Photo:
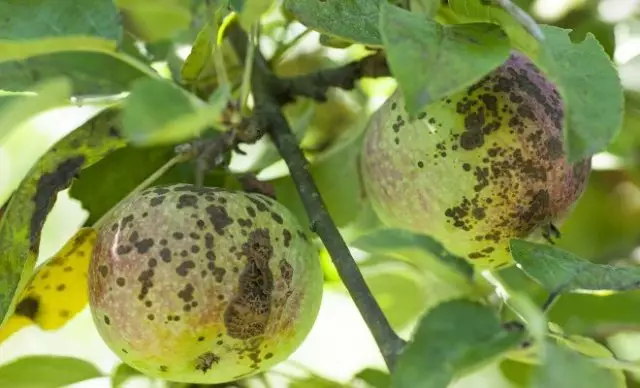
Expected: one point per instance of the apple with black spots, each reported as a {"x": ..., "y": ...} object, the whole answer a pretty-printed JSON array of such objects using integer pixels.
[
  {"x": 477, "y": 168},
  {"x": 203, "y": 285}
]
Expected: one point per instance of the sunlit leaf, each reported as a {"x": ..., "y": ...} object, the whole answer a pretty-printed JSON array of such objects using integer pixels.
[
  {"x": 159, "y": 112},
  {"x": 560, "y": 271},
  {"x": 122, "y": 373},
  {"x": 57, "y": 291},
  {"x": 21, "y": 225},
  {"x": 46, "y": 372},
  {"x": 48, "y": 95}
]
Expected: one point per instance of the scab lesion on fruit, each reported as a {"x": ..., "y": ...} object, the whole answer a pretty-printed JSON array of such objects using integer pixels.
[{"x": 205, "y": 361}]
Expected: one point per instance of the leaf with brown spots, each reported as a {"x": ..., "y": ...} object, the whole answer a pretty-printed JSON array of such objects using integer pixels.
[
  {"x": 24, "y": 217},
  {"x": 58, "y": 289}
]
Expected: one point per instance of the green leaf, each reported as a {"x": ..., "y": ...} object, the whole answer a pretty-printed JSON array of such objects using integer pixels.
[
  {"x": 46, "y": 372},
  {"x": 452, "y": 340},
  {"x": 159, "y": 112},
  {"x": 252, "y": 10},
  {"x": 48, "y": 95},
  {"x": 402, "y": 243},
  {"x": 200, "y": 54},
  {"x": 22, "y": 222},
  {"x": 374, "y": 378},
  {"x": 41, "y": 26},
  {"x": 560, "y": 271},
  {"x": 468, "y": 11},
  {"x": 565, "y": 368},
  {"x": 139, "y": 163},
  {"x": 353, "y": 20},
  {"x": 418, "y": 51},
  {"x": 155, "y": 20},
  {"x": 315, "y": 382},
  {"x": 85, "y": 70},
  {"x": 390, "y": 281},
  {"x": 590, "y": 88},
  {"x": 122, "y": 373}
]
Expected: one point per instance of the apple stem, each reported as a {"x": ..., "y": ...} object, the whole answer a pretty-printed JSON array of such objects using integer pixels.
[{"x": 270, "y": 93}]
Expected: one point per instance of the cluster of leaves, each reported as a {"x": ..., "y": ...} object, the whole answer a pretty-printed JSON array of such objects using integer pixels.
[{"x": 124, "y": 57}]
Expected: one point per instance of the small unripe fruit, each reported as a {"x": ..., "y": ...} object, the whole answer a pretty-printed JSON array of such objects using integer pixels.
[
  {"x": 478, "y": 168},
  {"x": 203, "y": 285}
]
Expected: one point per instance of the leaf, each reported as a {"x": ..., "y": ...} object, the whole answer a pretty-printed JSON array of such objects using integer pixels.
[
  {"x": 41, "y": 27},
  {"x": 315, "y": 382},
  {"x": 353, "y": 20},
  {"x": 200, "y": 54},
  {"x": 467, "y": 11},
  {"x": 139, "y": 163},
  {"x": 425, "y": 7},
  {"x": 252, "y": 10},
  {"x": 419, "y": 50},
  {"x": 159, "y": 112},
  {"x": 58, "y": 289},
  {"x": 46, "y": 372},
  {"x": 390, "y": 281},
  {"x": 590, "y": 88},
  {"x": 565, "y": 368},
  {"x": 560, "y": 271},
  {"x": 48, "y": 94},
  {"x": 122, "y": 373},
  {"x": 402, "y": 243},
  {"x": 85, "y": 70},
  {"x": 452, "y": 339},
  {"x": 22, "y": 223},
  {"x": 155, "y": 20},
  {"x": 374, "y": 378}
]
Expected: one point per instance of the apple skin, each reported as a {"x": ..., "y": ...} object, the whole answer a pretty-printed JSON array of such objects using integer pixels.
[
  {"x": 478, "y": 168},
  {"x": 203, "y": 285}
]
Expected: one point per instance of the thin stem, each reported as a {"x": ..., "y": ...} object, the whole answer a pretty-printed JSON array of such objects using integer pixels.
[
  {"x": 218, "y": 60},
  {"x": 248, "y": 67},
  {"x": 282, "y": 50},
  {"x": 268, "y": 112},
  {"x": 146, "y": 183},
  {"x": 523, "y": 18}
]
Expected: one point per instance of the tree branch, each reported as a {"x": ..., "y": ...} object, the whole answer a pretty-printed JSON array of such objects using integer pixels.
[{"x": 269, "y": 92}]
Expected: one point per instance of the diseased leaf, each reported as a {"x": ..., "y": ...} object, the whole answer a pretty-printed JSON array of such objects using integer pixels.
[
  {"x": 40, "y": 27},
  {"x": 452, "y": 339},
  {"x": 590, "y": 88},
  {"x": 431, "y": 61},
  {"x": 154, "y": 20},
  {"x": 565, "y": 368},
  {"x": 22, "y": 223},
  {"x": 402, "y": 243},
  {"x": 159, "y": 112},
  {"x": 48, "y": 95},
  {"x": 46, "y": 372},
  {"x": 57, "y": 291},
  {"x": 353, "y": 20},
  {"x": 85, "y": 70},
  {"x": 560, "y": 271}
]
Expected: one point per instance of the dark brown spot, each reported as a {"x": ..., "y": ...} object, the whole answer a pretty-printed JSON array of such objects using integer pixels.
[
  {"x": 156, "y": 201},
  {"x": 219, "y": 218},
  {"x": 186, "y": 294},
  {"x": 187, "y": 200},
  {"x": 143, "y": 246},
  {"x": 184, "y": 267},
  {"x": 104, "y": 271},
  {"x": 28, "y": 307},
  {"x": 205, "y": 361},
  {"x": 286, "y": 235},
  {"x": 165, "y": 254},
  {"x": 120, "y": 281}
]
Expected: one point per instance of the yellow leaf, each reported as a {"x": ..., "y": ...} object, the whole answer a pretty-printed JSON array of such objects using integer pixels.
[{"x": 58, "y": 289}]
